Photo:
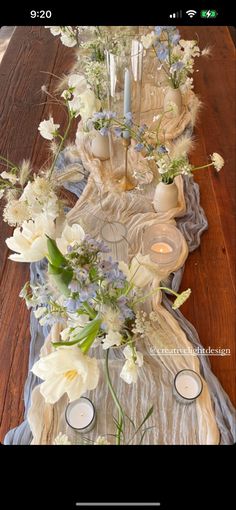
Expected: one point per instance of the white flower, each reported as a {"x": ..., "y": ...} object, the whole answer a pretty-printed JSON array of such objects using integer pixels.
[
  {"x": 112, "y": 338},
  {"x": 29, "y": 241},
  {"x": 70, "y": 236},
  {"x": 77, "y": 82},
  {"x": 66, "y": 370},
  {"x": 40, "y": 198},
  {"x": 2, "y": 191},
  {"x": 89, "y": 104},
  {"x": 16, "y": 212},
  {"x": 148, "y": 40},
  {"x": 134, "y": 360},
  {"x": 68, "y": 39},
  {"x": 156, "y": 118},
  {"x": 9, "y": 176},
  {"x": 141, "y": 270},
  {"x": 66, "y": 94},
  {"x": 41, "y": 310},
  {"x": 172, "y": 107},
  {"x": 47, "y": 128},
  {"x": 41, "y": 187},
  {"x": 217, "y": 161},
  {"x": 111, "y": 318},
  {"x": 54, "y": 30},
  {"x": 61, "y": 439},
  {"x": 75, "y": 105},
  {"x": 101, "y": 440},
  {"x": 181, "y": 299}
]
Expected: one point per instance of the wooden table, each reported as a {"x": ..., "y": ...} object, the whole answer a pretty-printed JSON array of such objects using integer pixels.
[{"x": 33, "y": 58}]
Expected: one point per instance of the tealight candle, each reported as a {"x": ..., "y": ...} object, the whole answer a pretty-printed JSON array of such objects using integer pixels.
[
  {"x": 161, "y": 248},
  {"x": 187, "y": 386},
  {"x": 81, "y": 415}
]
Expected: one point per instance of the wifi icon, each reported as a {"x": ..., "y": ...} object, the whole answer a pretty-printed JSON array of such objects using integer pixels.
[{"x": 191, "y": 13}]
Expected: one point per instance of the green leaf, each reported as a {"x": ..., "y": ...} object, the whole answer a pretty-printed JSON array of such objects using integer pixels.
[
  {"x": 61, "y": 277},
  {"x": 54, "y": 255},
  {"x": 149, "y": 413},
  {"x": 91, "y": 328},
  {"x": 144, "y": 432}
]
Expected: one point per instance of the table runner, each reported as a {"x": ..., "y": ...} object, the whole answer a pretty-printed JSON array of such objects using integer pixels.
[{"x": 192, "y": 224}]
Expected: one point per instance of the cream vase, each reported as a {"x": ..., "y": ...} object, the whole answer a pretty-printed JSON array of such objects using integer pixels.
[
  {"x": 173, "y": 96},
  {"x": 100, "y": 146},
  {"x": 166, "y": 197}
]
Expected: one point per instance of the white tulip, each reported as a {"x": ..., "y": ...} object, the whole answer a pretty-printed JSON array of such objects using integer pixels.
[
  {"x": 66, "y": 370},
  {"x": 90, "y": 104},
  {"x": 77, "y": 82},
  {"x": 70, "y": 236},
  {"x": 141, "y": 270},
  {"x": 29, "y": 242}
]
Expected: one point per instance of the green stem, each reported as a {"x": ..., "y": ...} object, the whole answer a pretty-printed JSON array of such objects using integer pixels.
[
  {"x": 63, "y": 138},
  {"x": 9, "y": 163},
  {"x": 153, "y": 292},
  {"x": 193, "y": 169},
  {"x": 116, "y": 401}
]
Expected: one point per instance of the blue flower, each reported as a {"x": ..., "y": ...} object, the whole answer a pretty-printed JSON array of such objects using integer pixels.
[
  {"x": 176, "y": 67},
  {"x": 174, "y": 38},
  {"x": 159, "y": 30},
  {"x": 118, "y": 132},
  {"x": 128, "y": 116},
  {"x": 103, "y": 131},
  {"x": 162, "y": 52},
  {"x": 72, "y": 304},
  {"x": 110, "y": 115},
  {"x": 98, "y": 115},
  {"x": 138, "y": 147},
  {"x": 162, "y": 149}
]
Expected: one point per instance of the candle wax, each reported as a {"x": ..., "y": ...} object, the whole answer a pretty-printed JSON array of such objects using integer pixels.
[
  {"x": 161, "y": 248},
  {"x": 80, "y": 415},
  {"x": 187, "y": 385}
]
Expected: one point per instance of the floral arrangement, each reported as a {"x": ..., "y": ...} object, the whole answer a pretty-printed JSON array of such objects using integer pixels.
[{"x": 175, "y": 56}]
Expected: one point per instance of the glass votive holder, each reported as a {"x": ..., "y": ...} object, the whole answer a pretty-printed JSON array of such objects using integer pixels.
[
  {"x": 81, "y": 415},
  {"x": 163, "y": 243},
  {"x": 188, "y": 386}
]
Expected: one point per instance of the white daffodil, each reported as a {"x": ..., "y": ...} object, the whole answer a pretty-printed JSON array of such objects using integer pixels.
[
  {"x": 61, "y": 439},
  {"x": 217, "y": 161},
  {"x": 48, "y": 128},
  {"x": 66, "y": 370},
  {"x": 29, "y": 242},
  {"x": 101, "y": 440},
  {"x": 78, "y": 83},
  {"x": 134, "y": 360},
  {"x": 141, "y": 270},
  {"x": 10, "y": 177},
  {"x": 111, "y": 339},
  {"x": 69, "y": 237},
  {"x": 181, "y": 299},
  {"x": 148, "y": 40}
]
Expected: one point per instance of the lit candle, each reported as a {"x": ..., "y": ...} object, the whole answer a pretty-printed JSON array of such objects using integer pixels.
[
  {"x": 127, "y": 92},
  {"x": 161, "y": 248},
  {"x": 187, "y": 386},
  {"x": 80, "y": 415}
]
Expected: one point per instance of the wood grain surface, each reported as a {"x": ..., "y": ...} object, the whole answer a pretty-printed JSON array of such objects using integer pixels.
[{"x": 32, "y": 58}]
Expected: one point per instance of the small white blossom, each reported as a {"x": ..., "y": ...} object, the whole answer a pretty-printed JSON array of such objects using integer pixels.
[
  {"x": 101, "y": 440},
  {"x": 54, "y": 30},
  {"x": 16, "y": 212},
  {"x": 217, "y": 161},
  {"x": 148, "y": 40},
  {"x": 70, "y": 236},
  {"x": 61, "y": 439},
  {"x": 9, "y": 176},
  {"x": 111, "y": 339},
  {"x": 134, "y": 360},
  {"x": 68, "y": 39},
  {"x": 48, "y": 129}
]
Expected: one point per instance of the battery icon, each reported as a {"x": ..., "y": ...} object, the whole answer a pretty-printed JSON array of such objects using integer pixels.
[{"x": 208, "y": 14}]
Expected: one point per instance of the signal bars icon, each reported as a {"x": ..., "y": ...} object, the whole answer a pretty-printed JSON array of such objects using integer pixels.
[{"x": 176, "y": 15}]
